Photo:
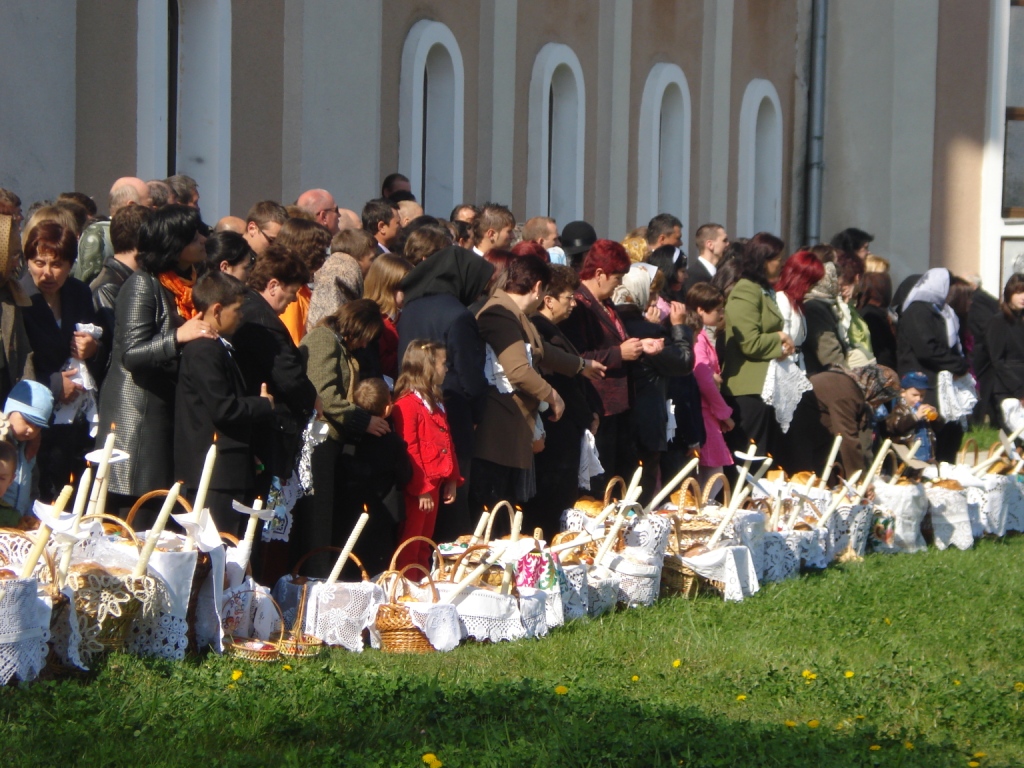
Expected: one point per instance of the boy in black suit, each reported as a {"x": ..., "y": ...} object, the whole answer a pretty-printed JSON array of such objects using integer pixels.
[{"x": 211, "y": 401}]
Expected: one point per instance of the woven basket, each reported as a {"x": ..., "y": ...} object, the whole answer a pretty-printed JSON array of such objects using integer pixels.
[
  {"x": 968, "y": 444},
  {"x": 295, "y": 643},
  {"x": 253, "y": 648},
  {"x": 398, "y": 633},
  {"x": 677, "y": 579}
]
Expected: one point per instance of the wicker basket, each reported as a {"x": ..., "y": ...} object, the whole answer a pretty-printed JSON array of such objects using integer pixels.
[
  {"x": 296, "y": 644},
  {"x": 398, "y": 633},
  {"x": 253, "y": 648}
]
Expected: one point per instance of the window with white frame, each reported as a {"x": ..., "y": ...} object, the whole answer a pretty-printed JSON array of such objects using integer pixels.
[
  {"x": 759, "y": 176},
  {"x": 431, "y": 116},
  {"x": 663, "y": 146},
  {"x": 556, "y": 131}
]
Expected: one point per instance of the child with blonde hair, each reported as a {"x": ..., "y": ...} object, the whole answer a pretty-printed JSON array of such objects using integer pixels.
[{"x": 420, "y": 420}]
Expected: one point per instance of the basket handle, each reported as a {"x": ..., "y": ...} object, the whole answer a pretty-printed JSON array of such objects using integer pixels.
[
  {"x": 280, "y": 617},
  {"x": 400, "y": 576},
  {"x": 962, "y": 457},
  {"x": 494, "y": 514},
  {"x": 119, "y": 523},
  {"x": 691, "y": 484},
  {"x": 48, "y": 560},
  {"x": 322, "y": 550},
  {"x": 410, "y": 540},
  {"x": 461, "y": 558},
  {"x": 159, "y": 493},
  {"x": 617, "y": 480},
  {"x": 710, "y": 484}
]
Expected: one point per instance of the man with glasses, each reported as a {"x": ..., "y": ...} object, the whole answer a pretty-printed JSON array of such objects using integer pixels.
[
  {"x": 320, "y": 204},
  {"x": 263, "y": 223}
]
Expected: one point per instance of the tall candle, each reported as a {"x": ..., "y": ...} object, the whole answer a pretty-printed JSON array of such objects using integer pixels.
[
  {"x": 81, "y": 498},
  {"x": 102, "y": 471},
  {"x": 827, "y": 473},
  {"x": 875, "y": 465},
  {"x": 486, "y": 562},
  {"x": 349, "y": 546},
  {"x": 763, "y": 469},
  {"x": 250, "y": 533},
  {"x": 43, "y": 534},
  {"x": 738, "y": 499},
  {"x": 101, "y": 504},
  {"x": 838, "y": 497},
  {"x": 506, "y": 578},
  {"x": 672, "y": 484},
  {"x": 154, "y": 533},
  {"x": 611, "y": 538},
  {"x": 204, "y": 487},
  {"x": 634, "y": 484}
]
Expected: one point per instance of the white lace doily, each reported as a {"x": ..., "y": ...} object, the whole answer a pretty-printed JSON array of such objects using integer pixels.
[
  {"x": 65, "y": 635},
  {"x": 533, "y": 609},
  {"x": 951, "y": 520},
  {"x": 784, "y": 386},
  {"x": 602, "y": 590},
  {"x": 339, "y": 613},
  {"x": 908, "y": 505},
  {"x": 957, "y": 397},
  {"x": 24, "y": 629},
  {"x": 638, "y": 583},
  {"x": 438, "y": 621},
  {"x": 732, "y": 566},
  {"x": 748, "y": 527},
  {"x": 780, "y": 563},
  {"x": 486, "y": 615},
  {"x": 849, "y": 527},
  {"x": 810, "y": 548},
  {"x": 575, "y": 594}
]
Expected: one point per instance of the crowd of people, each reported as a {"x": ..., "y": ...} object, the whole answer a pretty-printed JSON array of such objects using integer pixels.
[{"x": 423, "y": 369}]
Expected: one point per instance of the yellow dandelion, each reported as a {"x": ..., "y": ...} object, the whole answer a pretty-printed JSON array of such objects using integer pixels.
[
  {"x": 840, "y": 726},
  {"x": 435, "y": 764},
  {"x": 806, "y": 673},
  {"x": 1018, "y": 687},
  {"x": 430, "y": 757},
  {"x": 790, "y": 723},
  {"x": 908, "y": 744},
  {"x": 848, "y": 674},
  {"x": 230, "y": 686},
  {"x": 561, "y": 690},
  {"x": 812, "y": 676},
  {"x": 235, "y": 675},
  {"x": 980, "y": 755},
  {"x": 859, "y": 717},
  {"x": 676, "y": 663},
  {"x": 287, "y": 667},
  {"x": 874, "y": 747},
  {"x": 973, "y": 764},
  {"x": 956, "y": 682},
  {"x": 635, "y": 678},
  {"x": 813, "y": 723},
  {"x": 741, "y": 697},
  {"x": 889, "y": 623}
]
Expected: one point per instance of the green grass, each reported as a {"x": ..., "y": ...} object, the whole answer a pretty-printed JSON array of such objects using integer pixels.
[{"x": 934, "y": 642}]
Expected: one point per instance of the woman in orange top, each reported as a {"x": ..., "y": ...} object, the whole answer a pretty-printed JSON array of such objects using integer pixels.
[{"x": 309, "y": 241}]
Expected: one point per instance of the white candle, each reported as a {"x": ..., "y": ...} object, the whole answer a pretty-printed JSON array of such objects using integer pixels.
[
  {"x": 101, "y": 504},
  {"x": 102, "y": 472},
  {"x": 250, "y": 533},
  {"x": 611, "y": 537},
  {"x": 827, "y": 473},
  {"x": 674, "y": 483},
  {"x": 729, "y": 514},
  {"x": 43, "y": 534},
  {"x": 79, "y": 509},
  {"x": 154, "y": 533},
  {"x": 204, "y": 487},
  {"x": 763, "y": 469},
  {"x": 634, "y": 484},
  {"x": 479, "y": 528},
  {"x": 875, "y": 465},
  {"x": 486, "y": 562},
  {"x": 506, "y": 579},
  {"x": 837, "y": 498},
  {"x": 349, "y": 546}
]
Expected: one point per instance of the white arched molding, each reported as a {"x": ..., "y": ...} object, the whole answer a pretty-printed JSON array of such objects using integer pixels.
[
  {"x": 431, "y": 116},
  {"x": 204, "y": 101},
  {"x": 663, "y": 147},
  {"x": 151, "y": 90},
  {"x": 555, "y": 135},
  {"x": 759, "y": 176}
]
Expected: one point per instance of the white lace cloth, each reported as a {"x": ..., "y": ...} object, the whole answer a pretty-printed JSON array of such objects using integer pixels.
[
  {"x": 780, "y": 563},
  {"x": 732, "y": 566},
  {"x": 575, "y": 592},
  {"x": 1000, "y": 504},
  {"x": 602, "y": 590},
  {"x": 639, "y": 582},
  {"x": 951, "y": 520},
  {"x": 810, "y": 548},
  {"x": 65, "y": 634},
  {"x": 339, "y": 613},
  {"x": 957, "y": 397},
  {"x": 784, "y": 386},
  {"x": 533, "y": 609},
  {"x": 590, "y": 460},
  {"x": 748, "y": 527},
  {"x": 908, "y": 505},
  {"x": 485, "y": 614},
  {"x": 849, "y": 527},
  {"x": 24, "y": 629}
]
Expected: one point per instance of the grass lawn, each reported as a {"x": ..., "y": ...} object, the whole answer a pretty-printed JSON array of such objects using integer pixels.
[{"x": 910, "y": 660}]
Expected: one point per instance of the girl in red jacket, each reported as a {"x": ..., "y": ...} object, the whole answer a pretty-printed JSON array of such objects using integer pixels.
[{"x": 420, "y": 420}]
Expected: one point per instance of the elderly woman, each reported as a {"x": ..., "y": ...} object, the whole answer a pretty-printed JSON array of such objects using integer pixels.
[
  {"x": 59, "y": 306},
  {"x": 154, "y": 318},
  {"x": 309, "y": 241},
  {"x": 330, "y": 365},
  {"x": 638, "y": 311},
  {"x": 927, "y": 340},
  {"x": 753, "y": 338},
  {"x": 509, "y": 426}
]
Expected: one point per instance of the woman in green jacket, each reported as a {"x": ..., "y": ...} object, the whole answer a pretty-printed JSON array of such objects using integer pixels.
[{"x": 753, "y": 338}]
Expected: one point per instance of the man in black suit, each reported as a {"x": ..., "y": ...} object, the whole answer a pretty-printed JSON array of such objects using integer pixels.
[
  {"x": 711, "y": 241},
  {"x": 380, "y": 219}
]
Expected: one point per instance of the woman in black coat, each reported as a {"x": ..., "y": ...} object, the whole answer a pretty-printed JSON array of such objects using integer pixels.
[
  {"x": 154, "y": 319},
  {"x": 927, "y": 340},
  {"x": 1004, "y": 341},
  {"x": 59, "y": 305}
]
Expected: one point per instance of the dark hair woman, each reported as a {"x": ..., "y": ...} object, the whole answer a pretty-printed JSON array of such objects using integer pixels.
[
  {"x": 154, "y": 318},
  {"x": 873, "y": 306},
  {"x": 230, "y": 252},
  {"x": 1005, "y": 343}
]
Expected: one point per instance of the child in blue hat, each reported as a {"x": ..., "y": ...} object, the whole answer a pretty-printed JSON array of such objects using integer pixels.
[
  {"x": 911, "y": 418},
  {"x": 27, "y": 413}
]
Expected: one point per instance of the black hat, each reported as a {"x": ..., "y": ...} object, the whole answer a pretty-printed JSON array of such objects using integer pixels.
[{"x": 577, "y": 237}]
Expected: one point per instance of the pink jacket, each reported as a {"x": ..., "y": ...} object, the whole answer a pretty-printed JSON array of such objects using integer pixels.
[{"x": 715, "y": 453}]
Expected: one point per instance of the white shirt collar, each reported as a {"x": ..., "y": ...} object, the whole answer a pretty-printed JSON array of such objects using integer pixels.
[{"x": 711, "y": 268}]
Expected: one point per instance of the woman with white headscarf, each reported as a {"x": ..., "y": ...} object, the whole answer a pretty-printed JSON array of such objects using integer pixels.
[
  {"x": 927, "y": 340},
  {"x": 651, "y": 373}
]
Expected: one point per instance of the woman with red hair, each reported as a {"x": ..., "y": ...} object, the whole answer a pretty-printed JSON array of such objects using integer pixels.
[
  {"x": 802, "y": 270},
  {"x": 596, "y": 330}
]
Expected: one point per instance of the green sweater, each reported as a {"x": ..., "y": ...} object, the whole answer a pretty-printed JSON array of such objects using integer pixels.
[{"x": 752, "y": 325}]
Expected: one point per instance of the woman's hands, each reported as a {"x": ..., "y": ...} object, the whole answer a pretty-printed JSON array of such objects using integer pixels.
[
  {"x": 557, "y": 405},
  {"x": 194, "y": 329},
  {"x": 788, "y": 347},
  {"x": 83, "y": 345},
  {"x": 593, "y": 369},
  {"x": 69, "y": 389}
]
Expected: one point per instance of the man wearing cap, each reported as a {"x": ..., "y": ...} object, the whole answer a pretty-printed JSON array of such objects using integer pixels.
[
  {"x": 27, "y": 412},
  {"x": 577, "y": 238}
]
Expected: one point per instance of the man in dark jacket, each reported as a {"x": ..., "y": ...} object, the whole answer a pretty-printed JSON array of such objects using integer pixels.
[
  {"x": 437, "y": 293},
  {"x": 124, "y": 234}
]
